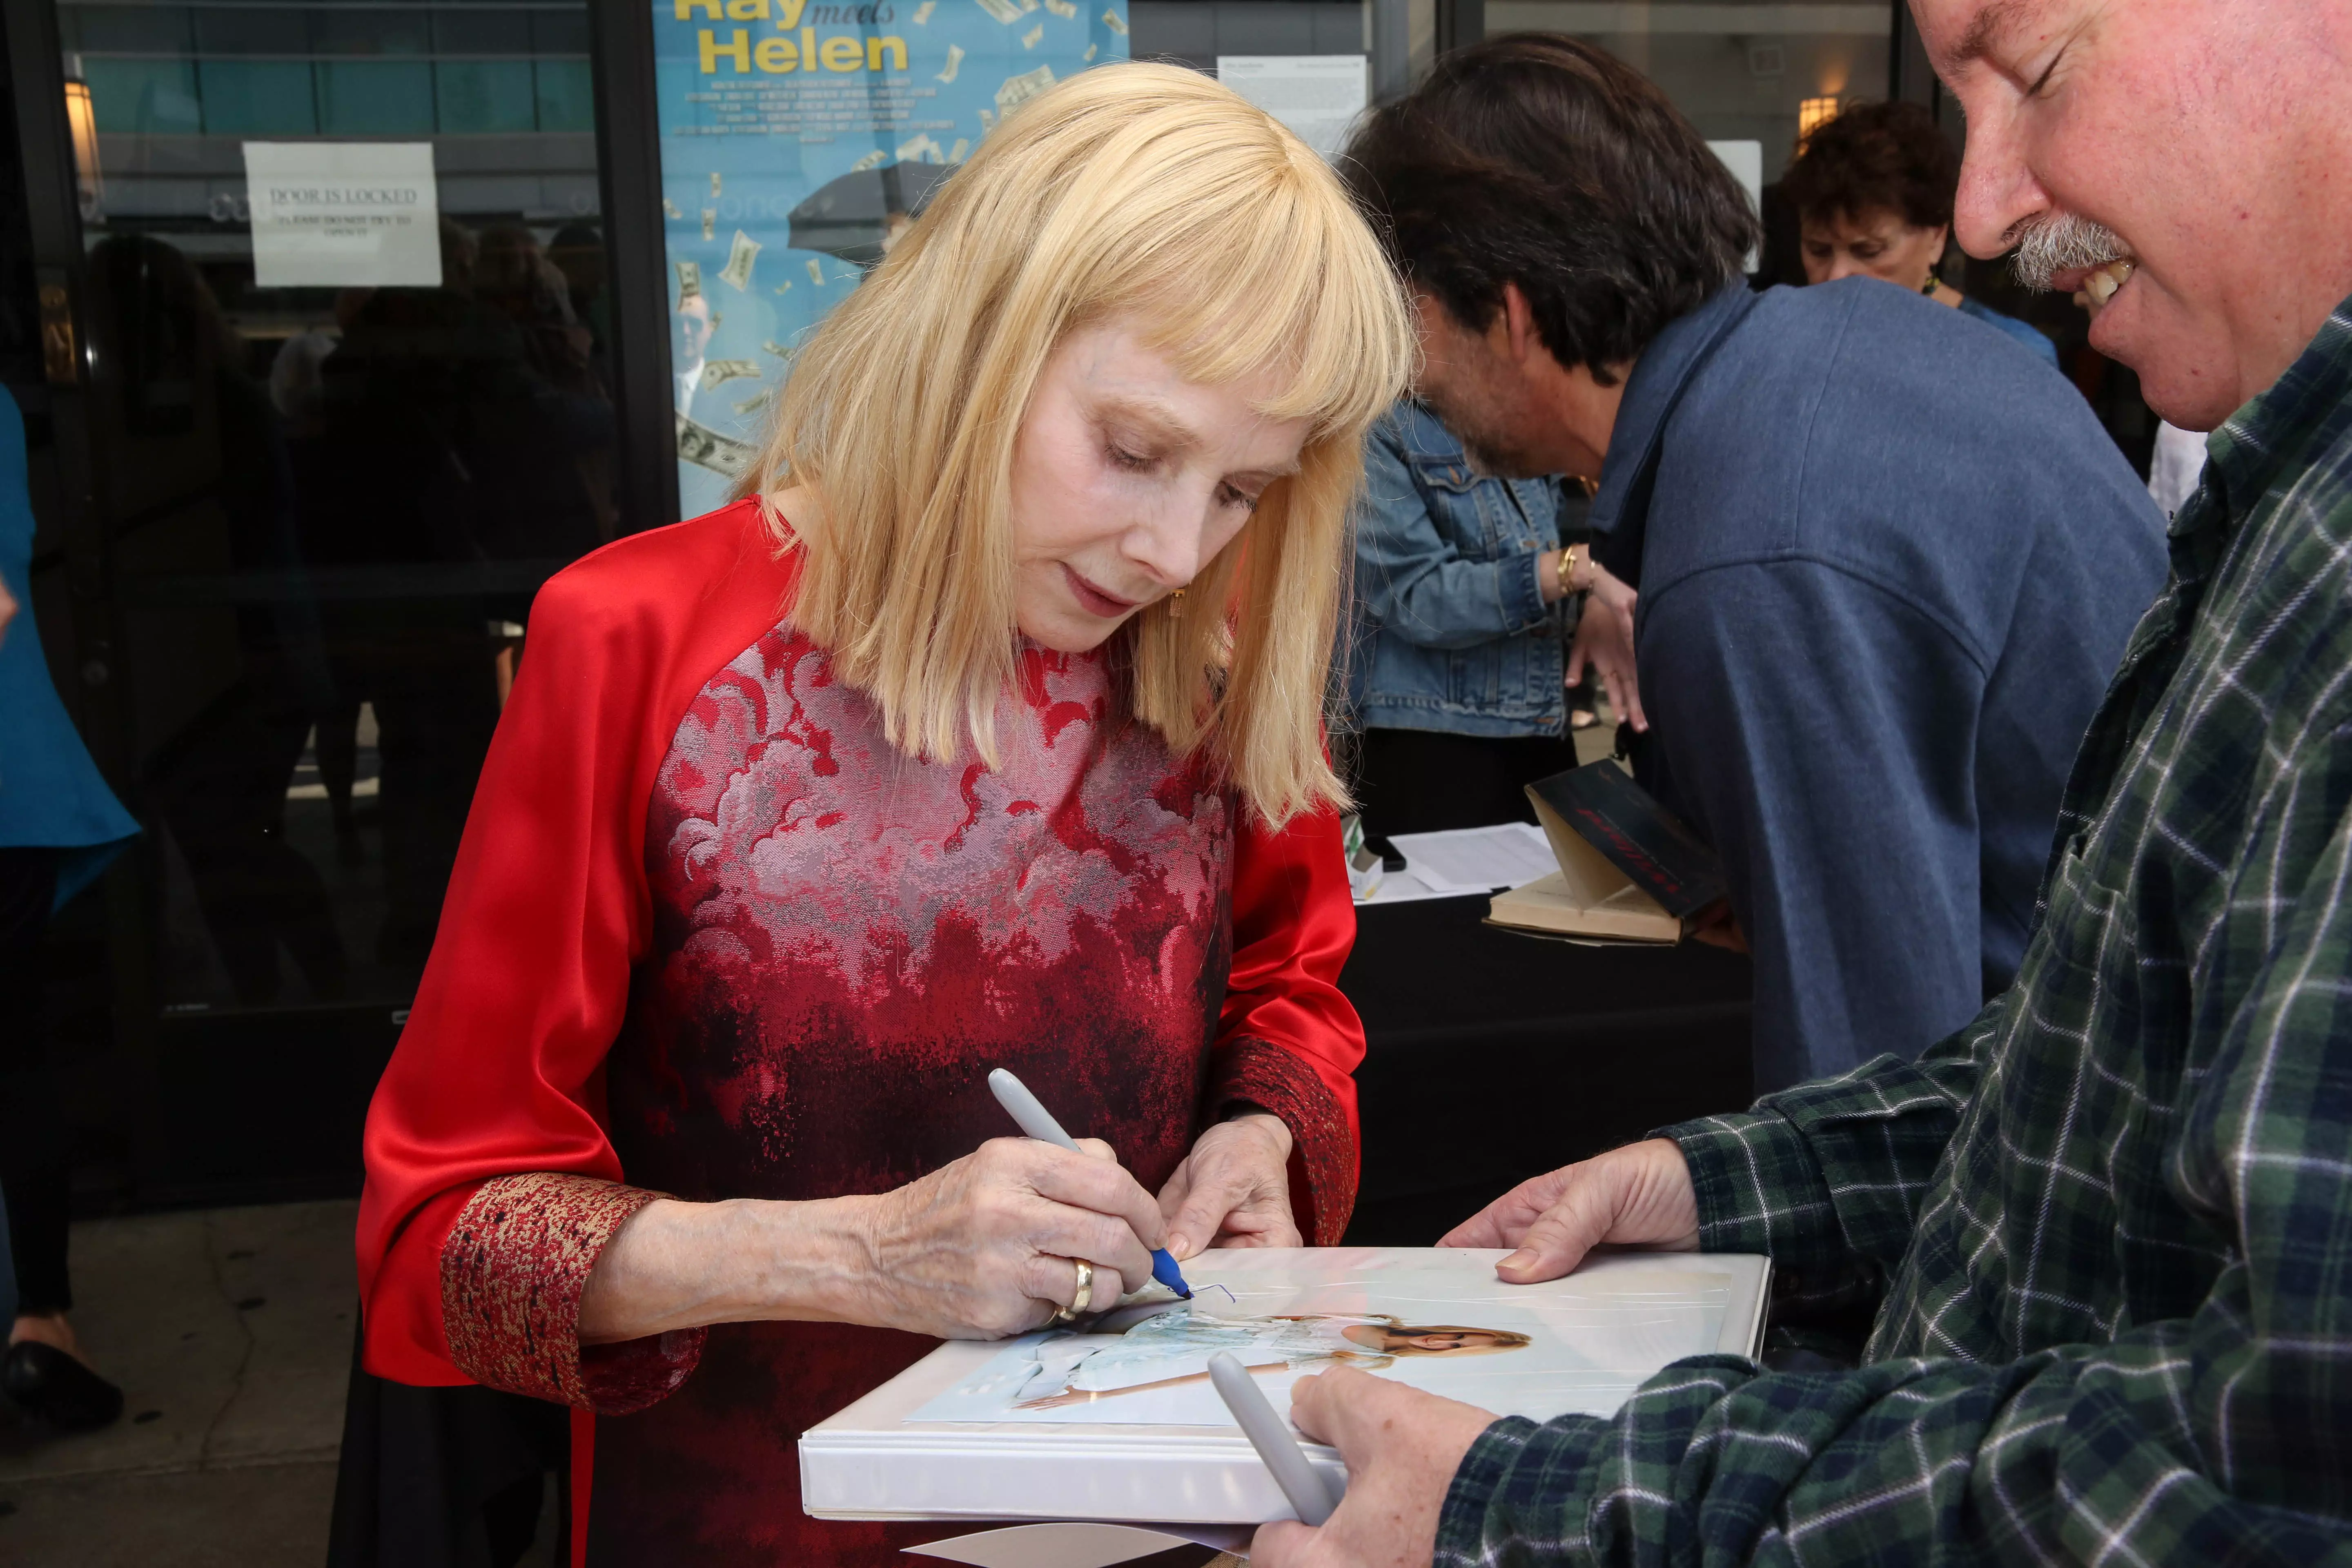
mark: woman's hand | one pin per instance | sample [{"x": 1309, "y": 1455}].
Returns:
[
  {"x": 988, "y": 1245},
  {"x": 1233, "y": 1189},
  {"x": 983, "y": 1247},
  {"x": 1604, "y": 638}
]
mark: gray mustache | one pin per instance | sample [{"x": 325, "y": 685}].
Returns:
[{"x": 2057, "y": 243}]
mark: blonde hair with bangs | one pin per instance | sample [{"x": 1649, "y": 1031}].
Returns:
[{"x": 1138, "y": 189}]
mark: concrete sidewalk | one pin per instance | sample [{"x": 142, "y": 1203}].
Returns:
[{"x": 230, "y": 1331}]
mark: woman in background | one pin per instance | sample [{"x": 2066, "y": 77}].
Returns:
[
  {"x": 1468, "y": 640},
  {"x": 1873, "y": 189}
]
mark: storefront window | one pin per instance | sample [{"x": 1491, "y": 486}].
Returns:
[
  {"x": 333, "y": 476},
  {"x": 1746, "y": 70},
  {"x": 1196, "y": 32}
]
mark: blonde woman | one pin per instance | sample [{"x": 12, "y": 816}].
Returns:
[{"x": 982, "y": 731}]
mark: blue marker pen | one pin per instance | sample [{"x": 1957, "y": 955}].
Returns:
[{"x": 1037, "y": 1122}]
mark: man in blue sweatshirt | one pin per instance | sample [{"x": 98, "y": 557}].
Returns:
[{"x": 1887, "y": 559}]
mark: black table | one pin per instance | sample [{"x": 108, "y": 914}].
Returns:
[{"x": 1493, "y": 1055}]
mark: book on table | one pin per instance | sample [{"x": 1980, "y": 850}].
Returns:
[
  {"x": 1114, "y": 1418},
  {"x": 1629, "y": 870}
]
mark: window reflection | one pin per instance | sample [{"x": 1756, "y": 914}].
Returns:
[
  {"x": 329, "y": 509},
  {"x": 1742, "y": 70}
]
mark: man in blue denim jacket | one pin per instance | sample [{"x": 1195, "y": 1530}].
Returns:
[
  {"x": 1455, "y": 679},
  {"x": 1887, "y": 561}
]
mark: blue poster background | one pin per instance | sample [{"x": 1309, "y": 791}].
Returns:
[{"x": 797, "y": 137}]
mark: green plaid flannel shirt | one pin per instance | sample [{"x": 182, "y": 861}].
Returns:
[{"x": 2108, "y": 1223}]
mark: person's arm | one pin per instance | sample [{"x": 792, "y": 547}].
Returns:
[
  {"x": 2191, "y": 1438},
  {"x": 491, "y": 1187},
  {"x": 1821, "y": 733},
  {"x": 2201, "y": 1436},
  {"x": 1826, "y": 1178},
  {"x": 1604, "y": 638},
  {"x": 1282, "y": 1088},
  {"x": 1412, "y": 580}
]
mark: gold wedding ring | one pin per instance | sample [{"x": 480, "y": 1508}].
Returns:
[{"x": 1084, "y": 1299}]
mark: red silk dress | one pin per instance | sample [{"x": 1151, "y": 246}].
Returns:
[{"x": 710, "y": 935}]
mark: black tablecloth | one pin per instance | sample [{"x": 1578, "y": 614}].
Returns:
[{"x": 1493, "y": 1055}]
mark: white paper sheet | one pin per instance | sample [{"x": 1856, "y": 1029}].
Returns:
[
  {"x": 343, "y": 214},
  {"x": 1404, "y": 887},
  {"x": 1477, "y": 859},
  {"x": 1318, "y": 97}
]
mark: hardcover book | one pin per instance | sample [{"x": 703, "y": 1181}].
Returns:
[
  {"x": 1629, "y": 870},
  {"x": 1113, "y": 1417}
]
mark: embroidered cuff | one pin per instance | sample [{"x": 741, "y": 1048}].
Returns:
[
  {"x": 1323, "y": 1153},
  {"x": 511, "y": 1272}
]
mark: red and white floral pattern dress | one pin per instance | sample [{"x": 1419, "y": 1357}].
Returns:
[{"x": 710, "y": 935}]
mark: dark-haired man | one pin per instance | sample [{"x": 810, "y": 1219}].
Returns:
[
  {"x": 2106, "y": 1226},
  {"x": 1886, "y": 561}
]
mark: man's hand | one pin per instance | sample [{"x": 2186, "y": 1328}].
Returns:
[
  {"x": 1639, "y": 1195},
  {"x": 1604, "y": 636},
  {"x": 1403, "y": 1448},
  {"x": 1233, "y": 1189}
]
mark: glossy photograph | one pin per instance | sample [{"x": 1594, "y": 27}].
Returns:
[{"x": 1438, "y": 1320}]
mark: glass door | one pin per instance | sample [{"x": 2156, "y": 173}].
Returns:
[{"x": 348, "y": 363}]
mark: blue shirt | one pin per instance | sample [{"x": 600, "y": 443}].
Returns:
[
  {"x": 1888, "y": 563},
  {"x": 2017, "y": 331},
  {"x": 1451, "y": 631},
  {"x": 50, "y": 793}
]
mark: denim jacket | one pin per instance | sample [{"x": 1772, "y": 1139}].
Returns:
[{"x": 1451, "y": 630}]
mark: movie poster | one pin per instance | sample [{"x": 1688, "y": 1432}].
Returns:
[{"x": 799, "y": 141}]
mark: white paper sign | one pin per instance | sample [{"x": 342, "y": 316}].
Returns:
[
  {"x": 1746, "y": 162},
  {"x": 340, "y": 214},
  {"x": 1316, "y": 96}
]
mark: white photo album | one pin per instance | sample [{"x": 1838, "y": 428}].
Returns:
[{"x": 1114, "y": 1418}]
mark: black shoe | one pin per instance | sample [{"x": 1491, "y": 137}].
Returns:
[{"x": 56, "y": 1389}]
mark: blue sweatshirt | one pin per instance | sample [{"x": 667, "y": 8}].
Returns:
[{"x": 1888, "y": 562}]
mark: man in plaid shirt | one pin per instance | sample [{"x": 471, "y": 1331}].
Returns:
[{"x": 2108, "y": 1225}]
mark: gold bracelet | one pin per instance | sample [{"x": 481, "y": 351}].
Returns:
[{"x": 1568, "y": 569}]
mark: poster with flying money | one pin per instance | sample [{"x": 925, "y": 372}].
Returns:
[{"x": 799, "y": 141}]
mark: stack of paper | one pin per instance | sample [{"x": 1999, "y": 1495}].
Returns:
[{"x": 1476, "y": 860}]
